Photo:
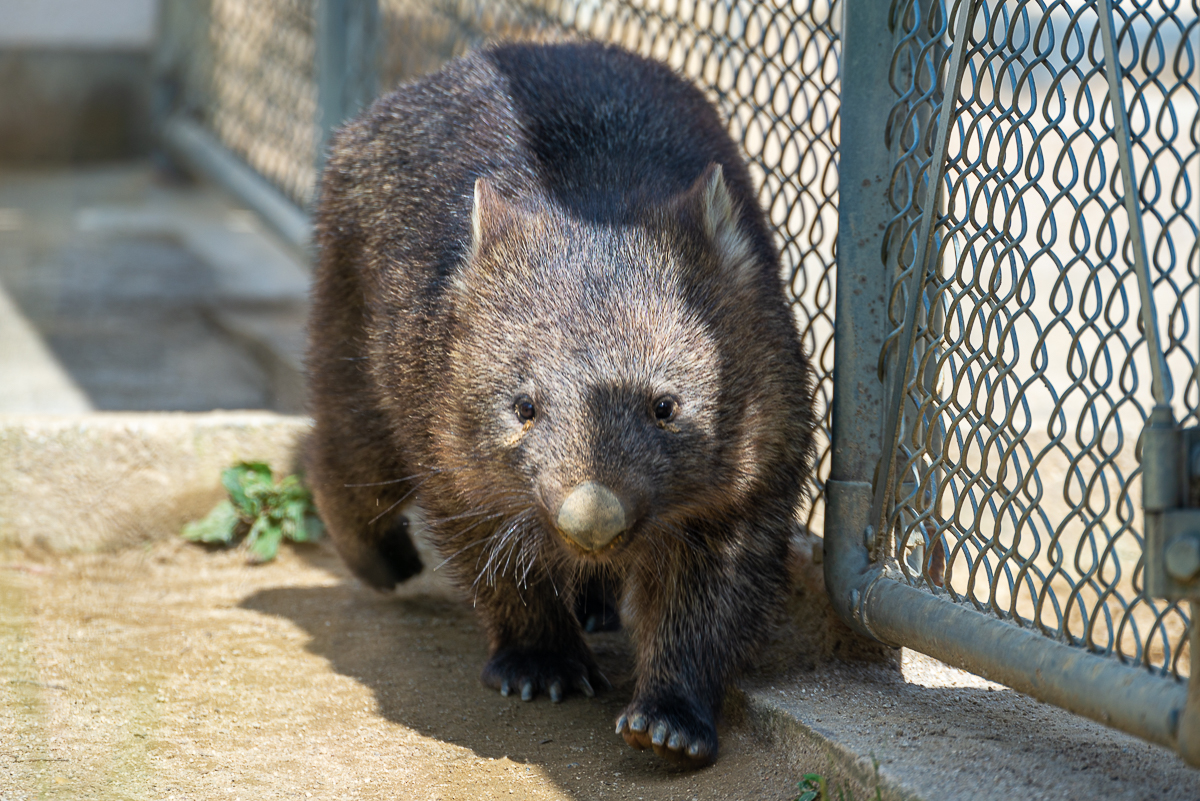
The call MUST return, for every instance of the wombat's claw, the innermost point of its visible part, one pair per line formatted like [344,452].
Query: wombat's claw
[669,737]
[531,673]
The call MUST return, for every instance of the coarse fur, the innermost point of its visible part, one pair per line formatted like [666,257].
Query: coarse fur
[569,225]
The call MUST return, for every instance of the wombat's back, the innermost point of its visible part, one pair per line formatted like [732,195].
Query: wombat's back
[599,131]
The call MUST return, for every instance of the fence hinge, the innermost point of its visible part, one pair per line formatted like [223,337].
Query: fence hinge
[1171,502]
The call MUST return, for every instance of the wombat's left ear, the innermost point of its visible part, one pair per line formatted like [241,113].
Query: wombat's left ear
[719,215]
[491,214]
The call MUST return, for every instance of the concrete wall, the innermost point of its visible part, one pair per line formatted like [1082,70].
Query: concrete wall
[75,80]
[87,24]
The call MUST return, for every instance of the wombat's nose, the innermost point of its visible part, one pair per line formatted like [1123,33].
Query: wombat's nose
[591,516]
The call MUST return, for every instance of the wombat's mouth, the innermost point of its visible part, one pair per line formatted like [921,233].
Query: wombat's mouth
[611,547]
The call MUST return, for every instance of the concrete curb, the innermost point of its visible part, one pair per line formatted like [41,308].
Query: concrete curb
[98,481]
[810,751]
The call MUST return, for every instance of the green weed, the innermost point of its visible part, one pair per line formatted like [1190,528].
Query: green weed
[815,787]
[263,512]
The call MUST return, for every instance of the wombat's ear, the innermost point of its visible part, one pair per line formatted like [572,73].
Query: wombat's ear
[490,214]
[709,198]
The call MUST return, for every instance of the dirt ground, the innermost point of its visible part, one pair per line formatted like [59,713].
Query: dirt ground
[174,672]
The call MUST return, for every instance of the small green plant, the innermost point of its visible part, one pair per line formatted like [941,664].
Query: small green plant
[815,787]
[264,512]
[812,787]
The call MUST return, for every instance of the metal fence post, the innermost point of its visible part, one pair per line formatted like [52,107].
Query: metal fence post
[862,297]
[348,33]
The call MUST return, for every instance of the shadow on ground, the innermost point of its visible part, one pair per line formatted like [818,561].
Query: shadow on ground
[419,652]
[421,657]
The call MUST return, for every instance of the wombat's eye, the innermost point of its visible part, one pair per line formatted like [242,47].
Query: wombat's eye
[665,408]
[524,408]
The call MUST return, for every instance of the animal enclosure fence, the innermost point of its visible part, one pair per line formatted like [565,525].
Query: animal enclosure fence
[1000,197]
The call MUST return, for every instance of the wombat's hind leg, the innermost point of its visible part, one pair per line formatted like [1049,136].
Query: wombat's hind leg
[536,644]
[532,672]
[397,549]
[383,554]
[358,500]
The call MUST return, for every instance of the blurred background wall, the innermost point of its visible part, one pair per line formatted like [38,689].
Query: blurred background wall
[75,80]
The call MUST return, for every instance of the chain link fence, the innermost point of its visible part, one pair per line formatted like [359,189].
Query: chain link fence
[246,70]
[1017,458]
[1038,277]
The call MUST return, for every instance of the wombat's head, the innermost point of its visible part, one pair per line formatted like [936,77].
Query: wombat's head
[610,384]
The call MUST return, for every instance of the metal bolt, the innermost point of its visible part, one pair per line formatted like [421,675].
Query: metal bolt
[1182,557]
[869,537]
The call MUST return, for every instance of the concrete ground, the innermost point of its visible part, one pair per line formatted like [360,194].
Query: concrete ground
[133,665]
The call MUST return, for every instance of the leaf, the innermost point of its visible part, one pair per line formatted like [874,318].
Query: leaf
[263,540]
[812,785]
[218,526]
[290,489]
[293,513]
[246,483]
[269,512]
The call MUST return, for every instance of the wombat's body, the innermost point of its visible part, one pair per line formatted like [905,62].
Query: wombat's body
[548,309]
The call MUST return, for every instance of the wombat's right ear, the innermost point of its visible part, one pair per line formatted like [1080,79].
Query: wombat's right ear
[720,217]
[491,214]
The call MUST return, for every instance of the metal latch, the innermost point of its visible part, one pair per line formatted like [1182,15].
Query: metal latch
[1171,501]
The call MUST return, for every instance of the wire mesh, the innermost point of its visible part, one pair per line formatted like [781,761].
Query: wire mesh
[771,68]
[246,70]
[1018,461]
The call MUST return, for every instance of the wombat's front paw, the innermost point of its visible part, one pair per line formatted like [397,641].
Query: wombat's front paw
[533,672]
[674,729]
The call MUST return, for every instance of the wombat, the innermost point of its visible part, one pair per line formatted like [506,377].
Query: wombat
[548,309]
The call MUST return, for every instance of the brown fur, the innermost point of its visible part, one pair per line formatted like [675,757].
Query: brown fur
[569,223]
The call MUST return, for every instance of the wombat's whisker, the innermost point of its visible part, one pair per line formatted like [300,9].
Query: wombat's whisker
[398,501]
[506,544]
[473,543]
[472,513]
[529,545]
[423,474]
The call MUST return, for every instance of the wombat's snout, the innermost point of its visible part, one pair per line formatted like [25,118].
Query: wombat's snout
[592,516]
